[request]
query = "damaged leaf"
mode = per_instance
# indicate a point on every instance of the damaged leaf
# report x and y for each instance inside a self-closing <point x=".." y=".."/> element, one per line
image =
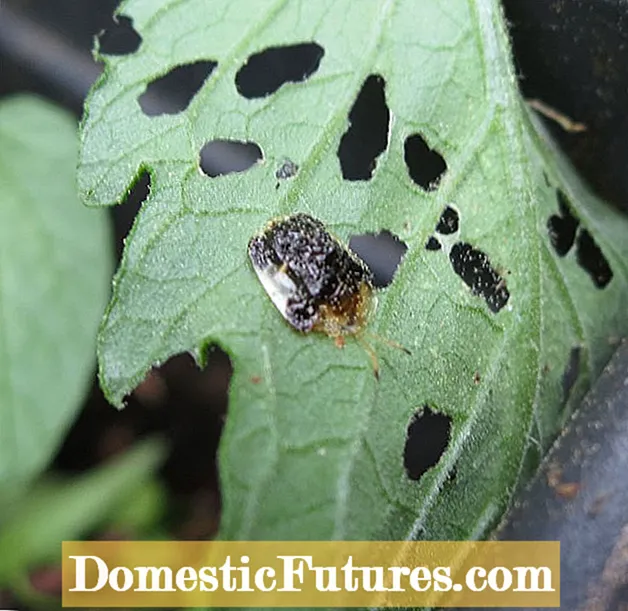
<point x="313" y="446"/>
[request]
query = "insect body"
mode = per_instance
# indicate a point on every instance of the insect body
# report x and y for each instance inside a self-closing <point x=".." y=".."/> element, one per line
<point x="314" y="280"/>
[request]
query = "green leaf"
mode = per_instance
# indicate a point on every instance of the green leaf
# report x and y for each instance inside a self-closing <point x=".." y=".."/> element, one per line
<point x="68" y="509"/>
<point x="313" y="445"/>
<point x="55" y="262"/>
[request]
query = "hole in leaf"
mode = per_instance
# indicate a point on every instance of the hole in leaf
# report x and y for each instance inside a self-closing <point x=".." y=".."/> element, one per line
<point x="173" y="92"/>
<point x="382" y="253"/>
<point x="449" y="221"/>
<point x="367" y="135"/>
<point x="592" y="259"/>
<point x="203" y="392"/>
<point x="427" y="437"/>
<point x="220" y="157"/>
<point x="124" y="216"/>
<point x="121" y="38"/>
<point x="425" y="165"/>
<point x="287" y="169"/>
<point x="474" y="267"/>
<point x="572" y="371"/>
<point x="265" y="72"/>
<point x="562" y="228"/>
<point x="432" y="244"/>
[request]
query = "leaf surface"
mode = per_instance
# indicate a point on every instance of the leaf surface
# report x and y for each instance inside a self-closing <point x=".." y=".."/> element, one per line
<point x="313" y="446"/>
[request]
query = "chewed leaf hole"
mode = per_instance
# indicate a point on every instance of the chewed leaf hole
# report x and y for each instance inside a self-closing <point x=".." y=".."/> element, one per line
<point x="562" y="228"/>
<point x="382" y="253"/>
<point x="425" y="165"/>
<point x="220" y="157"/>
<point x="124" y="216"/>
<point x="591" y="258"/>
<point x="475" y="269"/>
<point x="427" y="437"/>
<point x="200" y="392"/>
<point x="173" y="92"/>
<point x="265" y="72"/>
<point x="367" y="135"/>
<point x="119" y="39"/>
<point x="432" y="244"/>
<point x="449" y="221"/>
<point x="572" y="371"/>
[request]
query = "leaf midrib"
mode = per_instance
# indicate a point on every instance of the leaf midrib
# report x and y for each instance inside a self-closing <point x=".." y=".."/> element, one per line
<point x="290" y="197"/>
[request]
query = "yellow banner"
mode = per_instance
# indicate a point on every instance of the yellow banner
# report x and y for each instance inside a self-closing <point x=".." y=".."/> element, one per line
<point x="312" y="574"/>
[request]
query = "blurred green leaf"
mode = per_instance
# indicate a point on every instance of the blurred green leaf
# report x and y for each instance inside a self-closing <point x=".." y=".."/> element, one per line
<point x="142" y="512"/>
<point x="68" y="509"/>
<point x="55" y="260"/>
<point x="313" y="445"/>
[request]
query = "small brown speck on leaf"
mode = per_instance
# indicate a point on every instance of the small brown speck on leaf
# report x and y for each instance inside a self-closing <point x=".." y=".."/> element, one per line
<point x="568" y="490"/>
<point x="565" y="490"/>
